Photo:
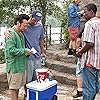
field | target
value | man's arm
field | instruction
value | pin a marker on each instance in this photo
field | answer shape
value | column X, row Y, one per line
column 41, row 42
column 7, row 34
column 86, row 47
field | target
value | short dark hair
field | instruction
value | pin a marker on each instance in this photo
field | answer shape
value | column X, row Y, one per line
column 20, row 18
column 91, row 6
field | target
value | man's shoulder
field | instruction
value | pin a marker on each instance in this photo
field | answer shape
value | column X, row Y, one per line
column 71, row 5
column 12, row 30
column 39, row 24
column 93, row 21
column 33, row 28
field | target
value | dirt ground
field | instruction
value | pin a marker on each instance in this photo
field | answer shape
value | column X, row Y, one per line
column 63, row 90
column 4, row 92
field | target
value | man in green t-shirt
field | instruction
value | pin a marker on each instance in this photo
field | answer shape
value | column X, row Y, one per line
column 15, row 53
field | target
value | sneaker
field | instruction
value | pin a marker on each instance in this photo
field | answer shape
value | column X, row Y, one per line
column 70, row 52
column 78, row 95
column 55, row 97
column 25, row 96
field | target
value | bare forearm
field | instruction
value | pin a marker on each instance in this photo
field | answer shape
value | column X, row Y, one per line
column 86, row 48
column 42, row 45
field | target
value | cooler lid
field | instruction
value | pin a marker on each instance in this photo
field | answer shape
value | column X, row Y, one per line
column 41, row 86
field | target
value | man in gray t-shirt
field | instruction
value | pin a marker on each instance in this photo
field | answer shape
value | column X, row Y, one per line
column 34, row 39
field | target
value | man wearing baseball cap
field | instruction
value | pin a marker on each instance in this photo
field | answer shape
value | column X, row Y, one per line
column 34, row 38
column 74, row 15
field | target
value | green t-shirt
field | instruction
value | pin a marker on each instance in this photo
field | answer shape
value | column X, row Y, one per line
column 15, row 52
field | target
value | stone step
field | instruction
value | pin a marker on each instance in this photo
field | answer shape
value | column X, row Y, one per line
column 57, row 52
column 61, row 55
column 64, row 92
column 61, row 66
column 64, row 78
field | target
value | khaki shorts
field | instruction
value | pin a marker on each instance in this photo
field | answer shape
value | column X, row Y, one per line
column 16, row 80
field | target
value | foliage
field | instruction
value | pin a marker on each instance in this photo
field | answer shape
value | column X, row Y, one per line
column 65, row 32
column 64, row 22
column 2, row 56
column 48, row 7
column 9, row 8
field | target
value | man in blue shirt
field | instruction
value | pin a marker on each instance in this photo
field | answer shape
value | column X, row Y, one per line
column 73, row 27
column 73, row 24
column 34, row 39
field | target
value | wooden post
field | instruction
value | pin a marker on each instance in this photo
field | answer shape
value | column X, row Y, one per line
column 46, row 33
column 61, row 35
column 50, row 36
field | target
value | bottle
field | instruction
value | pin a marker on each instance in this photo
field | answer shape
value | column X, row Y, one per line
column 43, row 61
column 50, row 76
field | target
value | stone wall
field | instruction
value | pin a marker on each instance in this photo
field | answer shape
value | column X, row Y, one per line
column 85, row 2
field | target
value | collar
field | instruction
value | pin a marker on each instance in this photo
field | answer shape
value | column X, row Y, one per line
column 93, row 18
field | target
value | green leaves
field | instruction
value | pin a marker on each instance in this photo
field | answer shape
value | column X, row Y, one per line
column 10, row 8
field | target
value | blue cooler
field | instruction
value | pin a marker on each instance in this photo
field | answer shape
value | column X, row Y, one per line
column 41, row 91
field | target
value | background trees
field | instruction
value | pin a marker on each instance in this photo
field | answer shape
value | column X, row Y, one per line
column 10, row 8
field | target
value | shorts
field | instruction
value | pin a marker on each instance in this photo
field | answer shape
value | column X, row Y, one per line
column 79, row 69
column 16, row 80
column 32, row 65
column 73, row 32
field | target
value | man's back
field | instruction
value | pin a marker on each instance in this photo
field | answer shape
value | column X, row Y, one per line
column 73, row 15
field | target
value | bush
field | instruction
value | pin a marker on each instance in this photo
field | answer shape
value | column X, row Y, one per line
column 65, row 31
column 2, row 56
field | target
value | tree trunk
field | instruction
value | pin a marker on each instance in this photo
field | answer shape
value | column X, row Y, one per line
column 43, row 5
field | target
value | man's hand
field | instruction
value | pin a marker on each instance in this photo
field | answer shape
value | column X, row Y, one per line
column 44, row 55
column 7, row 34
column 82, row 12
column 29, row 52
column 79, row 49
column 79, row 55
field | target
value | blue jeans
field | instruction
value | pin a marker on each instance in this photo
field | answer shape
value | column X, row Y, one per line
column 79, row 69
column 90, row 83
